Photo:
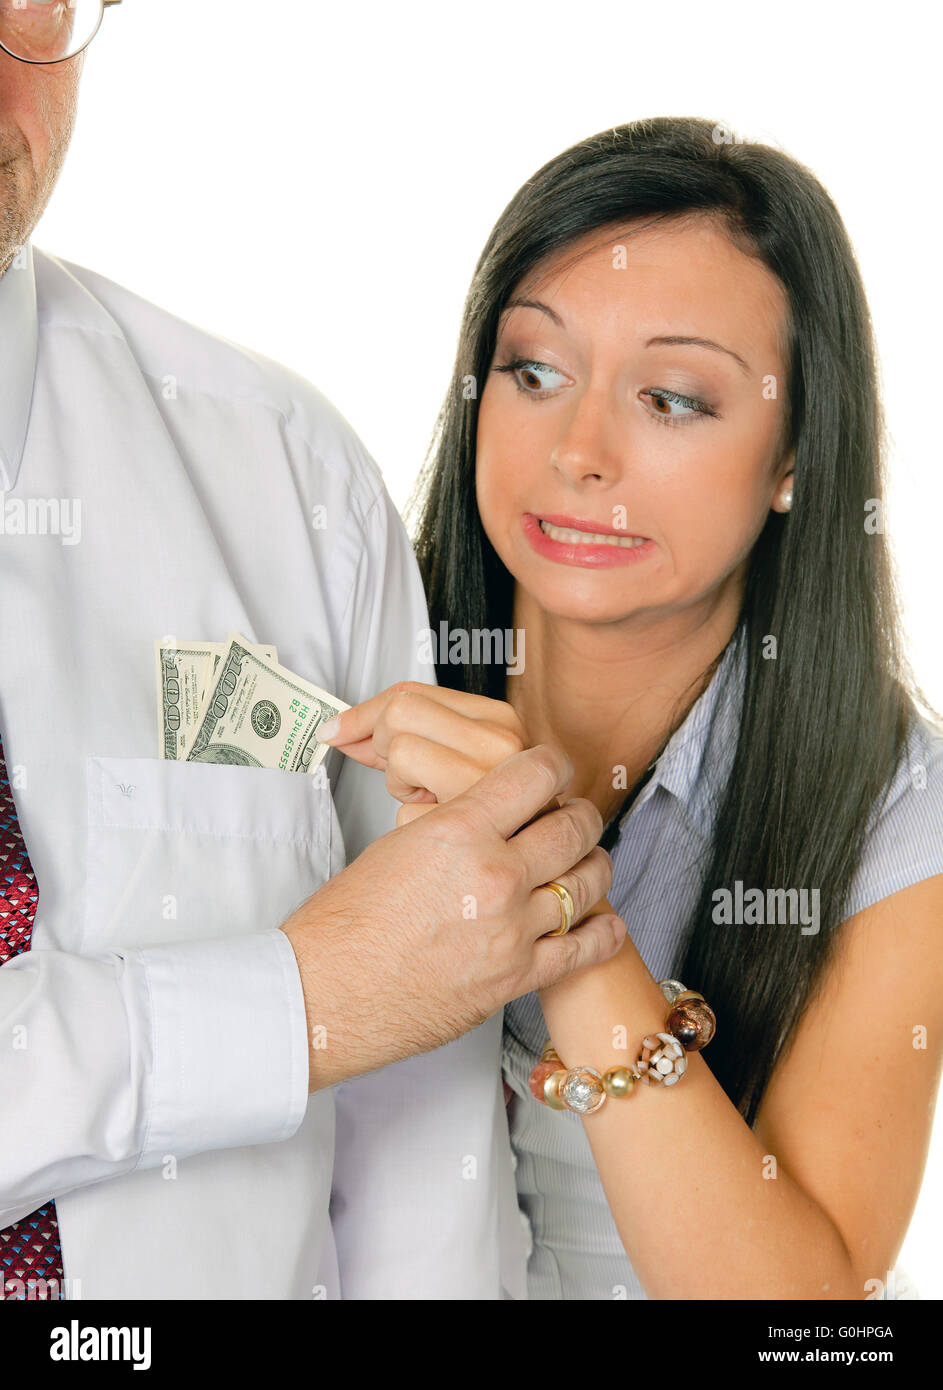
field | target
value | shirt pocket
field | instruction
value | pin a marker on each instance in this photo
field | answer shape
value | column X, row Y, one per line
column 180, row 851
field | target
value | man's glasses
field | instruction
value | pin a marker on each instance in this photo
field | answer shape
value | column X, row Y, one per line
column 49, row 31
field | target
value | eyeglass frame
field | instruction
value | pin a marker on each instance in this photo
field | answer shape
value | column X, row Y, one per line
column 51, row 62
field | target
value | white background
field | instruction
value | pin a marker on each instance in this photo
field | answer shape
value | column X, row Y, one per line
column 316, row 181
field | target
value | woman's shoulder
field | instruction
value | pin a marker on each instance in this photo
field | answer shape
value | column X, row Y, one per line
column 904, row 842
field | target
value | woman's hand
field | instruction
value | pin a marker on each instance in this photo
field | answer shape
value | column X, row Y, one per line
column 433, row 743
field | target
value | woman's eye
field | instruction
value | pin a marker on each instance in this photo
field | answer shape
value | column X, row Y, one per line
column 533, row 378
column 672, row 408
column 539, row 379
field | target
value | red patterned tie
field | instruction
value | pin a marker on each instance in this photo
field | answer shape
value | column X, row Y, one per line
column 29, row 1249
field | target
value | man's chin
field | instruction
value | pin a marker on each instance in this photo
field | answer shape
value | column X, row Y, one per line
column 15, row 226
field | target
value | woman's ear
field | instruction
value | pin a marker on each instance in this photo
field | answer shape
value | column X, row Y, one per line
column 782, row 497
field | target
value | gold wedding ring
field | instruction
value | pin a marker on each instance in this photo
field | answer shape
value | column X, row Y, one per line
column 567, row 908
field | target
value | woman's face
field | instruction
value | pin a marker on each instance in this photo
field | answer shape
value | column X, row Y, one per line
column 590, row 420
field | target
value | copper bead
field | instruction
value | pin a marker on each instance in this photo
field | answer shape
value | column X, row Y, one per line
column 693, row 1023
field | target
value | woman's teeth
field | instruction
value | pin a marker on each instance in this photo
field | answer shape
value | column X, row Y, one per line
column 571, row 537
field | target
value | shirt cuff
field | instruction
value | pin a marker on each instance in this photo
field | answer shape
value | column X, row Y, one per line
column 229, row 1043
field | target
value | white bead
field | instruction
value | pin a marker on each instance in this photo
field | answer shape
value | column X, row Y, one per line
column 671, row 989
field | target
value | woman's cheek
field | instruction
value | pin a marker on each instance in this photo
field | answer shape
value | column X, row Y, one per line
column 706, row 544
column 483, row 494
column 493, row 488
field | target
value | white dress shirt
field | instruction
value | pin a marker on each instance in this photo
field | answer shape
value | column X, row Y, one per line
column 153, row 1042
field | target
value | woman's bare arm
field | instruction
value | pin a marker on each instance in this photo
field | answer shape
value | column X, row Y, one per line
column 844, row 1124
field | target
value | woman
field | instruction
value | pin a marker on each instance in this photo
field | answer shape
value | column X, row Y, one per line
column 659, row 461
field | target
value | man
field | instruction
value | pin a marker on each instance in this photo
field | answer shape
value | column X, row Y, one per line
column 160, row 1033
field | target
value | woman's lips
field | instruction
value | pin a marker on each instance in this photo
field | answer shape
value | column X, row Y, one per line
column 555, row 540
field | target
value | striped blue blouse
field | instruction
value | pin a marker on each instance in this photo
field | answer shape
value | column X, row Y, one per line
column 576, row 1252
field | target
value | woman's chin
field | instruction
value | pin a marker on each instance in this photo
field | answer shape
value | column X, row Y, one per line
column 557, row 601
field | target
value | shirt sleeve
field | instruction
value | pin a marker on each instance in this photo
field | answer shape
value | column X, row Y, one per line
column 110, row 1062
column 905, row 842
column 382, row 626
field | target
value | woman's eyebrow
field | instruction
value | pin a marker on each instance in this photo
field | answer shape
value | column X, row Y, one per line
column 534, row 304
column 678, row 340
column 666, row 340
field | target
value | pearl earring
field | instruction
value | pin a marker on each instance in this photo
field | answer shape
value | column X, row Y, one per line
column 786, row 498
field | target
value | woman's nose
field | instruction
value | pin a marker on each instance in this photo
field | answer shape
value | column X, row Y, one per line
column 588, row 449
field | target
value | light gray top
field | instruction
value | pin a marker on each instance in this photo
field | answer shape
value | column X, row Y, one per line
column 576, row 1251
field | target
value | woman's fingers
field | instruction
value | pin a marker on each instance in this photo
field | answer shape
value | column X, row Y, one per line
column 424, row 746
column 477, row 740
column 415, row 765
column 446, row 716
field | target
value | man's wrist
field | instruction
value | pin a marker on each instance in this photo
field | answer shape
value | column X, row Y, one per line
column 328, row 1059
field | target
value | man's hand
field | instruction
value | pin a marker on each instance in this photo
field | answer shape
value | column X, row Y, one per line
column 439, row 923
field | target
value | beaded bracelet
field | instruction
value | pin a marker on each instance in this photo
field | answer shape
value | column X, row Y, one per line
column 690, row 1025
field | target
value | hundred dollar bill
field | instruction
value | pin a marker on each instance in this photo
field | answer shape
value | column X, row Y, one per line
column 184, row 671
column 219, row 651
column 259, row 714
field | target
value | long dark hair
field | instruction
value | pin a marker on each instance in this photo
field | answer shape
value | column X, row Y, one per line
column 823, row 725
